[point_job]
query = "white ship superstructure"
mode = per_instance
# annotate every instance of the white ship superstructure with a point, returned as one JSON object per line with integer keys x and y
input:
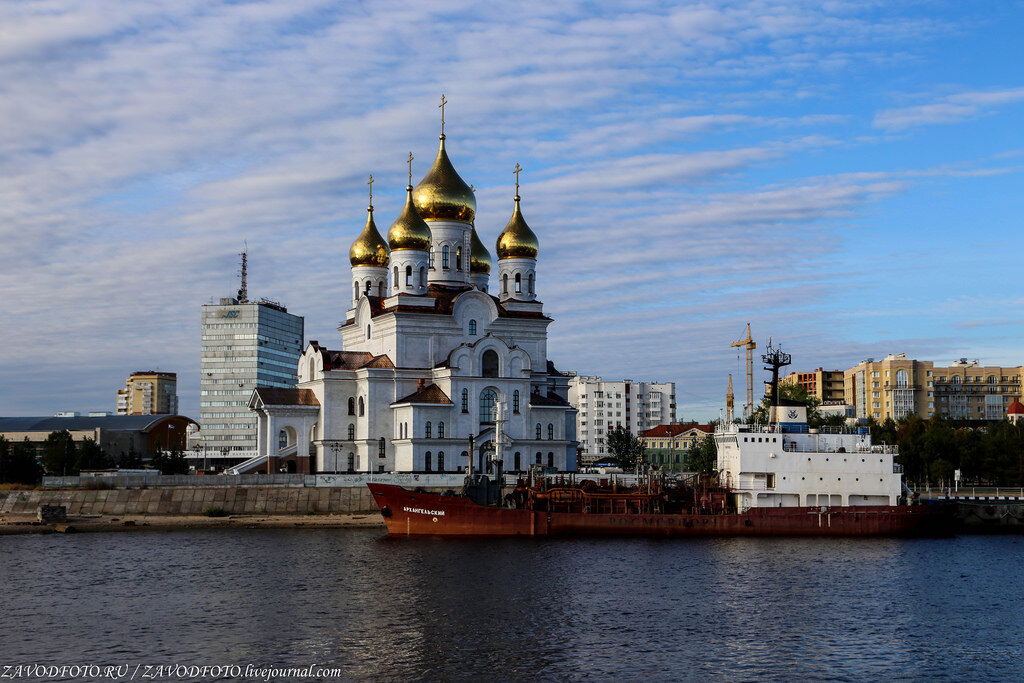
{"x": 785, "y": 464}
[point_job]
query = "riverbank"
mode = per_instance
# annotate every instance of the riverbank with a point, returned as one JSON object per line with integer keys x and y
{"x": 27, "y": 524}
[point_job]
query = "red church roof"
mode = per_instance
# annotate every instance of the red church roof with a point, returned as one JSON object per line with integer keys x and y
{"x": 1016, "y": 408}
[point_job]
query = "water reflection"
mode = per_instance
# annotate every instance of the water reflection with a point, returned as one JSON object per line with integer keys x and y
{"x": 384, "y": 607}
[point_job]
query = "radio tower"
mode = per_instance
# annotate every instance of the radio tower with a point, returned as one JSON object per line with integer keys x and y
{"x": 243, "y": 291}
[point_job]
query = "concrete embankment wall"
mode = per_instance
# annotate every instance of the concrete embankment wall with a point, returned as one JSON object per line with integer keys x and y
{"x": 260, "y": 500}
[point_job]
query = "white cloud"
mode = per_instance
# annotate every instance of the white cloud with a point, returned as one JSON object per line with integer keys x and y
{"x": 949, "y": 109}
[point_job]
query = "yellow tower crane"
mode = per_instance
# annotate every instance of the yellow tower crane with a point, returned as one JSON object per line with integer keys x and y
{"x": 750, "y": 345}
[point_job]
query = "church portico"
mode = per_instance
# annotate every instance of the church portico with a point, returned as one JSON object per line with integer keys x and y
{"x": 429, "y": 364}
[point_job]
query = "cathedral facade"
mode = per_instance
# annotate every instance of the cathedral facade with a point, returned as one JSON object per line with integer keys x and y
{"x": 431, "y": 358}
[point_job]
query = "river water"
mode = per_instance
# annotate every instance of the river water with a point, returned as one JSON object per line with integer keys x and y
{"x": 398, "y": 608}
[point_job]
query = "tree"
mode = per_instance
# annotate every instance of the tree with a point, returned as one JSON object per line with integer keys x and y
{"x": 92, "y": 457}
{"x": 130, "y": 460}
{"x": 627, "y": 450}
{"x": 170, "y": 462}
{"x": 703, "y": 456}
{"x": 59, "y": 454}
{"x": 19, "y": 464}
{"x": 798, "y": 393}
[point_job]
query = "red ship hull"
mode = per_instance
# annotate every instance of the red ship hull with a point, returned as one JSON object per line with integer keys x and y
{"x": 415, "y": 513}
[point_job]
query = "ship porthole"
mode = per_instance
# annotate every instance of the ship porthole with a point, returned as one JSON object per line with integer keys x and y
{"x": 749, "y": 522}
{"x": 435, "y": 519}
{"x": 385, "y": 511}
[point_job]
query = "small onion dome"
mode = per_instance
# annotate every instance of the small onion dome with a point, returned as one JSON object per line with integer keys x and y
{"x": 517, "y": 240}
{"x": 369, "y": 249}
{"x": 442, "y": 195}
{"x": 409, "y": 231}
{"x": 479, "y": 257}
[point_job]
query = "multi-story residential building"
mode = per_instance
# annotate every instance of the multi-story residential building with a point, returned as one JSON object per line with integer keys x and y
{"x": 149, "y": 393}
{"x": 666, "y": 445}
{"x": 603, "y": 406}
{"x": 825, "y": 385}
{"x": 895, "y": 387}
{"x": 245, "y": 345}
{"x": 966, "y": 390}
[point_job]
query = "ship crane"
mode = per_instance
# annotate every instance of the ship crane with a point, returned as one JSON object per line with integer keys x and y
{"x": 749, "y": 343}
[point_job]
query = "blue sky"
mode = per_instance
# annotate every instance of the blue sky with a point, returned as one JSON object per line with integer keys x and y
{"x": 844, "y": 176}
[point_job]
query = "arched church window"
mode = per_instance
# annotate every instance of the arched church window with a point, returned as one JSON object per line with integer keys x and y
{"x": 539, "y": 458}
{"x": 472, "y": 328}
{"x": 465, "y": 400}
{"x": 426, "y": 461}
{"x": 489, "y": 363}
{"x": 444, "y": 257}
{"x": 488, "y": 404}
{"x": 551, "y": 459}
{"x": 440, "y": 430}
{"x": 380, "y": 290}
{"x": 380, "y": 447}
{"x": 367, "y": 331}
{"x": 394, "y": 280}
{"x": 515, "y": 401}
{"x": 431, "y": 261}
{"x": 440, "y": 461}
{"x": 551, "y": 431}
{"x": 426, "y": 430}
{"x": 408, "y": 276}
{"x": 351, "y": 462}
{"x": 362, "y": 407}
{"x": 351, "y": 405}
{"x": 531, "y": 283}
{"x": 355, "y": 290}
{"x": 504, "y": 283}
{"x": 312, "y": 368}
{"x": 517, "y": 462}
{"x": 423, "y": 277}
{"x": 351, "y": 432}
{"x": 538, "y": 432}
{"x": 368, "y": 285}
{"x": 519, "y": 283}
{"x": 458, "y": 258}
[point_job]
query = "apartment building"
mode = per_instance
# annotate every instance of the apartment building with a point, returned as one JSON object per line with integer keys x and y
{"x": 149, "y": 393}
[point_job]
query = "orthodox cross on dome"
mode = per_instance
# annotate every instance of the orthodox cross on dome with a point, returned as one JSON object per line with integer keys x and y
{"x": 370, "y": 183}
{"x": 410, "y": 167}
{"x": 441, "y": 106}
{"x": 517, "y": 171}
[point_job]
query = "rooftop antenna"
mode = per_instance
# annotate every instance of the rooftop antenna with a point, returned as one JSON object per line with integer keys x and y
{"x": 243, "y": 291}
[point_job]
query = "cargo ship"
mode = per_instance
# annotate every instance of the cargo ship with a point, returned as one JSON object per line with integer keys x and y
{"x": 778, "y": 478}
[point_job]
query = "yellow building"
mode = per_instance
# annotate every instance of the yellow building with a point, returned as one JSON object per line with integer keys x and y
{"x": 666, "y": 445}
{"x": 825, "y": 385}
{"x": 149, "y": 393}
{"x": 967, "y": 390}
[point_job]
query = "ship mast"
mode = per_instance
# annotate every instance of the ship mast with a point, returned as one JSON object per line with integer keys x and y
{"x": 775, "y": 359}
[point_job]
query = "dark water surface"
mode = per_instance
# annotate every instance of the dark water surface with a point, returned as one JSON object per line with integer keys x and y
{"x": 396, "y": 608}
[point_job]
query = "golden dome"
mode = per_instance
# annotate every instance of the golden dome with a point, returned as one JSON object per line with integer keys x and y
{"x": 442, "y": 195}
{"x": 517, "y": 240}
{"x": 369, "y": 249}
{"x": 479, "y": 257}
{"x": 409, "y": 231}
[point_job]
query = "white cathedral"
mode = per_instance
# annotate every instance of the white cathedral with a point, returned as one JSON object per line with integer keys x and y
{"x": 430, "y": 356}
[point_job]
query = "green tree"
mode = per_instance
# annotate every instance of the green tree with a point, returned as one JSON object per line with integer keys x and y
{"x": 627, "y": 450}
{"x": 130, "y": 460}
{"x": 92, "y": 457}
{"x": 703, "y": 456}
{"x": 170, "y": 462}
{"x": 20, "y": 465}
{"x": 59, "y": 454}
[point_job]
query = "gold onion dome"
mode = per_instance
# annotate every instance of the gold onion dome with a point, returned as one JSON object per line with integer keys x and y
{"x": 409, "y": 231}
{"x": 479, "y": 257}
{"x": 517, "y": 240}
{"x": 369, "y": 249}
{"x": 442, "y": 195}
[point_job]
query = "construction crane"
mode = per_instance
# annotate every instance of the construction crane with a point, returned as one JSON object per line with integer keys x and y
{"x": 750, "y": 345}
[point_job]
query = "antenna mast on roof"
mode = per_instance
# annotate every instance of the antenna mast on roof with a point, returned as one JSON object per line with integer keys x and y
{"x": 243, "y": 291}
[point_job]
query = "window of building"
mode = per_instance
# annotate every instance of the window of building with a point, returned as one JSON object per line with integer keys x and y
{"x": 394, "y": 280}
{"x": 351, "y": 462}
{"x": 351, "y": 432}
{"x": 504, "y": 283}
{"x": 362, "y": 407}
{"x": 488, "y": 402}
{"x": 408, "y": 276}
{"x": 531, "y": 283}
{"x": 516, "y": 462}
{"x": 539, "y": 456}
{"x": 352, "y": 405}
{"x": 515, "y": 401}
{"x": 426, "y": 430}
{"x": 440, "y": 461}
{"x": 426, "y": 461}
{"x": 472, "y": 328}
{"x": 380, "y": 447}
{"x": 538, "y": 430}
{"x": 551, "y": 459}
{"x": 282, "y": 439}
{"x": 519, "y": 283}
{"x": 368, "y": 285}
{"x": 444, "y": 257}
{"x": 367, "y": 331}
{"x": 440, "y": 430}
{"x": 423, "y": 277}
{"x": 465, "y": 400}
{"x": 458, "y": 258}
{"x": 551, "y": 432}
{"x": 489, "y": 363}
{"x": 430, "y": 261}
